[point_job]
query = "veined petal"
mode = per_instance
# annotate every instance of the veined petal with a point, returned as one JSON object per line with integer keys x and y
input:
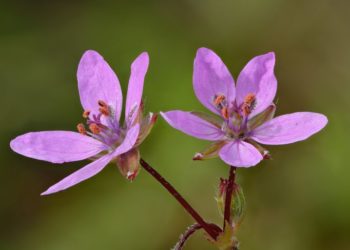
{"x": 258, "y": 78}
{"x": 240, "y": 154}
{"x": 81, "y": 175}
{"x": 56, "y": 146}
{"x": 97, "y": 81}
{"x": 210, "y": 78}
{"x": 289, "y": 128}
{"x": 138, "y": 71}
{"x": 193, "y": 125}
{"x": 129, "y": 141}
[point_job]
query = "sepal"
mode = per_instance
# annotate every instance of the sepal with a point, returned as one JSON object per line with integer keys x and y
{"x": 263, "y": 117}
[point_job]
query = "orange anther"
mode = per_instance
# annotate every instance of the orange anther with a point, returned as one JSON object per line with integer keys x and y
{"x": 219, "y": 99}
{"x": 94, "y": 128}
{"x": 86, "y": 114}
{"x": 249, "y": 104}
{"x": 81, "y": 129}
{"x": 104, "y": 111}
{"x": 249, "y": 99}
{"x": 224, "y": 112}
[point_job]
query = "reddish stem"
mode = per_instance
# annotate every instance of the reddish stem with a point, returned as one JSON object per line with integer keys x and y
{"x": 207, "y": 227}
{"x": 228, "y": 197}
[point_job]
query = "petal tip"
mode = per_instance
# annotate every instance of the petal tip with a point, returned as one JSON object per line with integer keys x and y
{"x": 323, "y": 121}
{"x": 90, "y": 53}
{"x": 13, "y": 143}
{"x": 203, "y": 51}
{"x": 47, "y": 192}
{"x": 142, "y": 59}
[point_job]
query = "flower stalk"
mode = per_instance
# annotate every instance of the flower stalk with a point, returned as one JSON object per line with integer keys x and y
{"x": 208, "y": 228}
{"x": 228, "y": 198}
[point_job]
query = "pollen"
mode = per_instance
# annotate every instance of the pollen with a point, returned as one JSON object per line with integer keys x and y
{"x": 224, "y": 112}
{"x": 86, "y": 114}
{"x": 250, "y": 99}
{"x": 219, "y": 99}
{"x": 249, "y": 104}
{"x": 94, "y": 128}
{"x": 104, "y": 109}
{"x": 81, "y": 129}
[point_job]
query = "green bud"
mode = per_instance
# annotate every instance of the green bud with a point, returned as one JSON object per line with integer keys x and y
{"x": 237, "y": 202}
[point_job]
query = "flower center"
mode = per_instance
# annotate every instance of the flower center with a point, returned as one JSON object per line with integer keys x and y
{"x": 236, "y": 117}
{"x": 102, "y": 126}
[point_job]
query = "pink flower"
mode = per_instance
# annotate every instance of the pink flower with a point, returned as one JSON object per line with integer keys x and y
{"x": 106, "y": 140}
{"x": 244, "y": 112}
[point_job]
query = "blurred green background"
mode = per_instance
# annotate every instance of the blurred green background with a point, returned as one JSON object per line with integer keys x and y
{"x": 299, "y": 200}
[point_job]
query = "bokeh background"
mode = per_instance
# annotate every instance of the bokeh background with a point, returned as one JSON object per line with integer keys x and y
{"x": 298, "y": 200}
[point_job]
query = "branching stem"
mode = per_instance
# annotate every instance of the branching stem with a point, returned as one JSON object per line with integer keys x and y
{"x": 212, "y": 232}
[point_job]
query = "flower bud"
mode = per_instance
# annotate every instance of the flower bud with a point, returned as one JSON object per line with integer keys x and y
{"x": 129, "y": 164}
{"x": 237, "y": 201}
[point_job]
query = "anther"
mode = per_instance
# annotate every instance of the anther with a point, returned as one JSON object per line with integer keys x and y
{"x": 219, "y": 100}
{"x": 86, "y": 114}
{"x": 224, "y": 112}
{"x": 94, "y": 128}
{"x": 81, "y": 129}
{"x": 249, "y": 104}
{"x": 102, "y": 103}
{"x": 104, "y": 111}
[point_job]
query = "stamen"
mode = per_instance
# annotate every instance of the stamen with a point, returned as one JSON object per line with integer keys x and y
{"x": 249, "y": 104}
{"x": 94, "y": 128}
{"x": 224, "y": 112}
{"x": 220, "y": 103}
{"x": 81, "y": 129}
{"x": 86, "y": 114}
{"x": 219, "y": 99}
{"x": 102, "y": 103}
{"x": 104, "y": 109}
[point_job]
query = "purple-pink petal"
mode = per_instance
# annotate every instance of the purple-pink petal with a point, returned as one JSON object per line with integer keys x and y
{"x": 97, "y": 81}
{"x": 81, "y": 175}
{"x": 289, "y": 128}
{"x": 56, "y": 146}
{"x": 138, "y": 71}
{"x": 128, "y": 142}
{"x": 193, "y": 125}
{"x": 240, "y": 154}
{"x": 258, "y": 78}
{"x": 211, "y": 77}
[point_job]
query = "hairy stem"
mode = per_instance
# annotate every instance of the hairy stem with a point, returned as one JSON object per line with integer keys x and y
{"x": 207, "y": 227}
{"x": 184, "y": 237}
{"x": 228, "y": 197}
